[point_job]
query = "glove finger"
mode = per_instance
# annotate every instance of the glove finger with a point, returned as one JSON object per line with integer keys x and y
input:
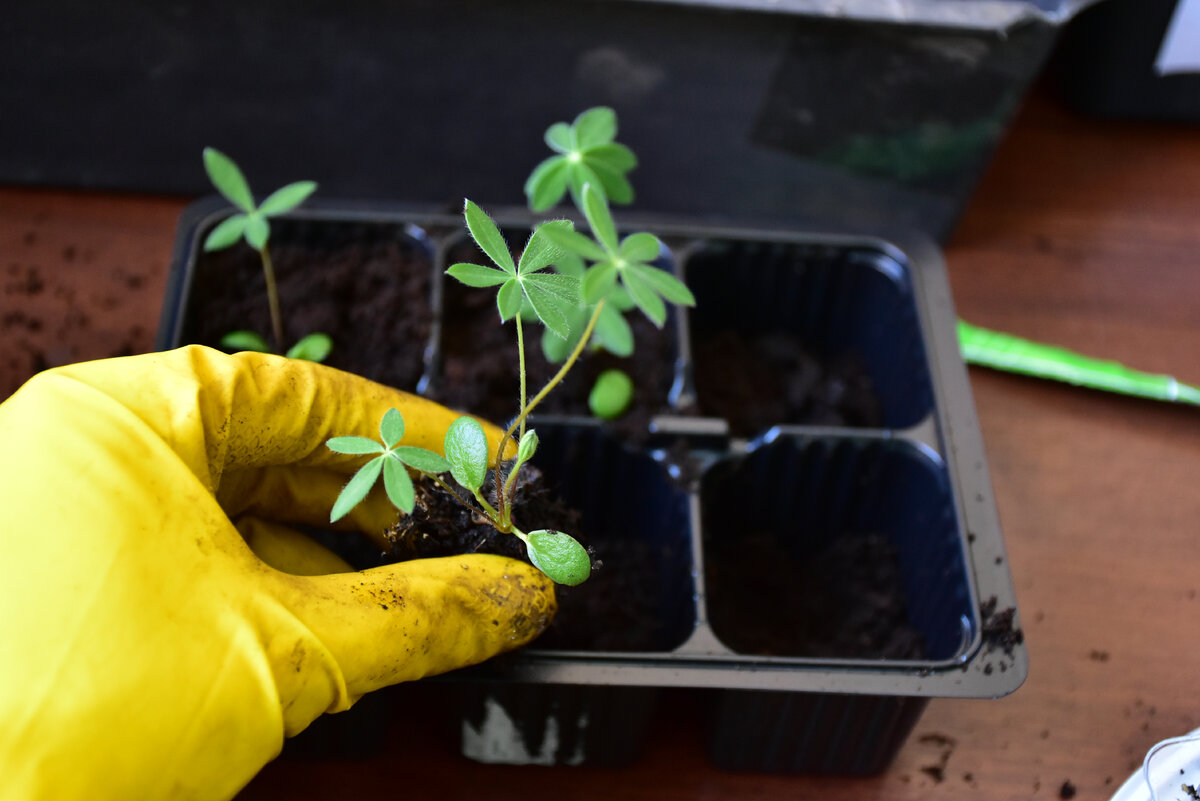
{"x": 221, "y": 411}
{"x": 405, "y": 621}
{"x": 286, "y": 549}
{"x": 304, "y": 495}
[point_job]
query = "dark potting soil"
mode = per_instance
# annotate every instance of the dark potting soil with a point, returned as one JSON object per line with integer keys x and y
{"x": 479, "y": 365}
{"x": 367, "y": 286}
{"x": 614, "y": 610}
{"x": 771, "y": 379}
{"x": 844, "y": 600}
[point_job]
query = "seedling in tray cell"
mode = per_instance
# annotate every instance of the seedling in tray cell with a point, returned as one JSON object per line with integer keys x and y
{"x": 551, "y": 283}
{"x": 251, "y": 223}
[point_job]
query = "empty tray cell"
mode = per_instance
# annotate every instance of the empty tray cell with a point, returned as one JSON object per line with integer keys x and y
{"x": 789, "y": 333}
{"x": 840, "y": 548}
{"x": 642, "y": 596}
{"x": 368, "y": 282}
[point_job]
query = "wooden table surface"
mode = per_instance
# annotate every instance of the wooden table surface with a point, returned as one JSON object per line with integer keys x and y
{"x": 1083, "y": 233}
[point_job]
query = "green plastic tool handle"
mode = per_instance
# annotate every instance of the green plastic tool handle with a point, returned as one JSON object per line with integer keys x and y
{"x": 1015, "y": 355}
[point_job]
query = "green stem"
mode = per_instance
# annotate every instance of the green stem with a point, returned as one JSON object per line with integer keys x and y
{"x": 272, "y": 298}
{"x": 487, "y": 507}
{"x": 503, "y": 489}
{"x": 558, "y": 377}
{"x": 521, "y": 359}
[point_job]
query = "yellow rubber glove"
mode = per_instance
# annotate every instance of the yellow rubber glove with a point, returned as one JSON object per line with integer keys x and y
{"x": 145, "y": 651}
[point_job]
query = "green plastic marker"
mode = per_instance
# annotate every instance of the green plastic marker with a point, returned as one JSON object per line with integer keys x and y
{"x": 1015, "y": 355}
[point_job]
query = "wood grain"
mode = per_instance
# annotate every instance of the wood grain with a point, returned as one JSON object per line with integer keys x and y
{"x": 1083, "y": 233}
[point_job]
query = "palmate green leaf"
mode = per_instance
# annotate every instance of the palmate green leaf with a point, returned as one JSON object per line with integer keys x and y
{"x": 598, "y": 281}
{"x": 671, "y": 288}
{"x": 286, "y": 198}
{"x": 612, "y": 156}
{"x": 510, "y": 299}
{"x": 577, "y": 243}
{"x": 616, "y": 186}
{"x": 477, "y": 275}
{"x": 570, "y": 264}
{"x": 612, "y": 332}
{"x": 314, "y": 347}
{"x": 559, "y": 556}
{"x": 558, "y": 137}
{"x": 640, "y": 247}
{"x": 594, "y": 127}
{"x": 595, "y": 208}
{"x": 487, "y": 236}
{"x": 391, "y": 427}
{"x": 258, "y": 230}
{"x": 554, "y": 347}
{"x": 541, "y": 251}
{"x": 581, "y": 174}
{"x": 564, "y": 288}
{"x": 355, "y": 446}
{"x": 550, "y": 307}
{"x": 398, "y": 484}
{"x": 547, "y": 183}
{"x": 421, "y": 459}
{"x": 227, "y": 232}
{"x": 227, "y": 178}
{"x": 466, "y": 451}
{"x": 644, "y": 296}
{"x": 357, "y": 488}
{"x": 245, "y": 340}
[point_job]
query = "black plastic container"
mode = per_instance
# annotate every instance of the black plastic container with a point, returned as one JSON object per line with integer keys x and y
{"x": 904, "y": 501}
{"x": 829, "y": 111}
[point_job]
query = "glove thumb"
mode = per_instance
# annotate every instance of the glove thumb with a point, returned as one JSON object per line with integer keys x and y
{"x": 405, "y": 621}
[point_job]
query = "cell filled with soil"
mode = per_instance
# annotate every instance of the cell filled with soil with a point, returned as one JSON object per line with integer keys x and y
{"x": 367, "y": 285}
{"x": 791, "y": 334}
{"x": 838, "y": 548}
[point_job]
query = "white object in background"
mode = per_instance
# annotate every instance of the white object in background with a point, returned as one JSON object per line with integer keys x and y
{"x": 1180, "y": 49}
{"x": 1170, "y": 772}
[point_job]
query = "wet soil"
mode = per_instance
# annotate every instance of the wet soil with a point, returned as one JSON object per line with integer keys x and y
{"x": 772, "y": 379}
{"x": 614, "y": 610}
{"x": 843, "y": 600}
{"x": 367, "y": 286}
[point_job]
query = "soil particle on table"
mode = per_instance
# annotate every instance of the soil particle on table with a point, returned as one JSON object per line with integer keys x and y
{"x": 1067, "y": 790}
{"x": 945, "y": 746}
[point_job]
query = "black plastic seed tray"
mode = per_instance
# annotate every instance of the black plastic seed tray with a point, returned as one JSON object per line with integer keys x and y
{"x": 814, "y": 578}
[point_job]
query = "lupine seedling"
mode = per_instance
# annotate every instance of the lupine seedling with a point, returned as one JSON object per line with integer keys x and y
{"x": 576, "y": 303}
{"x": 251, "y": 224}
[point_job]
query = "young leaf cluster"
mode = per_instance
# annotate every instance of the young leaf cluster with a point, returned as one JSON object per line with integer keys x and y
{"x": 620, "y": 263}
{"x": 388, "y": 458}
{"x": 585, "y": 153}
{"x": 467, "y": 461}
{"x": 550, "y": 295}
{"x": 251, "y": 221}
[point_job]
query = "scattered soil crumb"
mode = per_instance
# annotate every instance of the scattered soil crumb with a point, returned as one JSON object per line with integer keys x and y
{"x": 1067, "y": 790}
{"x": 1098, "y": 656}
{"x": 999, "y": 629}
{"x": 937, "y": 771}
{"x": 1190, "y": 791}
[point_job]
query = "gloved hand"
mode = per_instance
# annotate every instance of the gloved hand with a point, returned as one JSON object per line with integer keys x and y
{"x": 145, "y": 650}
